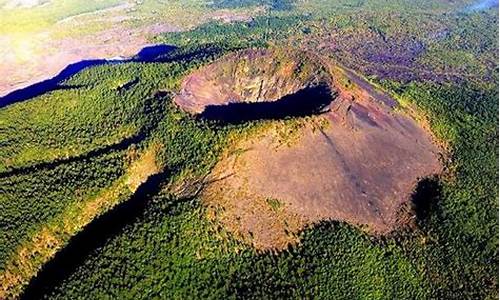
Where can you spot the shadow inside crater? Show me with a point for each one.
(308, 101)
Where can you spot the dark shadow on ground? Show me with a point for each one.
(93, 236)
(425, 197)
(305, 102)
(146, 54)
(121, 145)
(152, 53)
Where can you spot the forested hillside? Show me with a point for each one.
(102, 180)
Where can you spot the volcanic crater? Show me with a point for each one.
(357, 160)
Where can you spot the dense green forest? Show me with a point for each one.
(273, 4)
(171, 250)
(62, 150)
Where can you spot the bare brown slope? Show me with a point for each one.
(249, 76)
(359, 166)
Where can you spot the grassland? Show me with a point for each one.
(65, 152)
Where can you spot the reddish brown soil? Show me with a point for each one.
(358, 166)
(57, 54)
(248, 76)
(102, 34)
